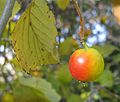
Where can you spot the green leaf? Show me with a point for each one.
(17, 66)
(106, 79)
(63, 74)
(34, 37)
(2, 4)
(68, 46)
(26, 94)
(15, 9)
(62, 4)
(106, 49)
(43, 86)
(54, 81)
(116, 59)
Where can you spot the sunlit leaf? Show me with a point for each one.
(41, 85)
(34, 36)
(62, 4)
(16, 8)
(16, 64)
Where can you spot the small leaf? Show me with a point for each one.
(15, 9)
(68, 46)
(34, 37)
(106, 49)
(41, 85)
(106, 79)
(62, 4)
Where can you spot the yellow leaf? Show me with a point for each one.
(34, 35)
(116, 9)
(62, 4)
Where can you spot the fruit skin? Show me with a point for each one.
(86, 65)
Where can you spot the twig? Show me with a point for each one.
(81, 33)
(6, 15)
(93, 92)
(5, 40)
(112, 94)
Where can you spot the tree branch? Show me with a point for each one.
(81, 33)
(6, 15)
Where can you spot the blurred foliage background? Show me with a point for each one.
(53, 83)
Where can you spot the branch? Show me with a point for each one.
(6, 15)
(93, 92)
(81, 33)
(112, 94)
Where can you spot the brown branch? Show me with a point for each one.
(81, 32)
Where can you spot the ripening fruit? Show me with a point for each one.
(86, 65)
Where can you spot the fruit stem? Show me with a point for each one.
(85, 45)
(81, 32)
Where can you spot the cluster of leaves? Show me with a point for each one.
(34, 42)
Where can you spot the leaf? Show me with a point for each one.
(62, 4)
(66, 47)
(116, 59)
(106, 79)
(54, 81)
(15, 9)
(34, 37)
(17, 66)
(106, 49)
(116, 9)
(41, 85)
(63, 74)
(2, 4)
(27, 94)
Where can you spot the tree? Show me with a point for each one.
(37, 38)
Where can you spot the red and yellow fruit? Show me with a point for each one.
(86, 64)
